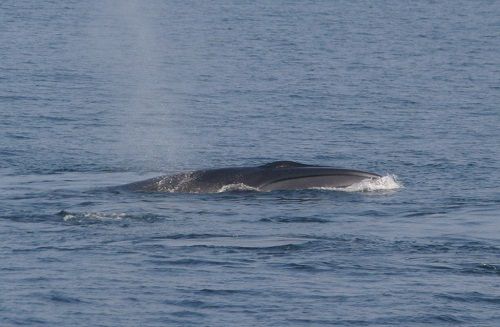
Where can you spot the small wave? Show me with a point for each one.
(384, 183)
(240, 242)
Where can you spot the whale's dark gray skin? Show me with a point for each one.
(279, 175)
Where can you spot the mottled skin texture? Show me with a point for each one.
(280, 175)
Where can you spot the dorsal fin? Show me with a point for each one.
(284, 164)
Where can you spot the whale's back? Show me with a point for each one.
(278, 175)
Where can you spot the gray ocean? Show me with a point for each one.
(96, 94)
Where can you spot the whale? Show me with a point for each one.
(274, 176)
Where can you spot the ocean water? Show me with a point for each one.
(95, 94)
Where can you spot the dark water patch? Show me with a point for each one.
(168, 320)
(355, 244)
(303, 267)
(58, 297)
(284, 219)
(375, 213)
(188, 314)
(18, 137)
(328, 322)
(477, 246)
(420, 319)
(28, 321)
(40, 249)
(471, 297)
(442, 318)
(446, 245)
(51, 260)
(188, 262)
(38, 280)
(226, 292)
(87, 203)
(10, 98)
(480, 269)
(187, 236)
(57, 119)
(62, 298)
(342, 244)
(10, 153)
(416, 247)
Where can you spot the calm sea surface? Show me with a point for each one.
(96, 94)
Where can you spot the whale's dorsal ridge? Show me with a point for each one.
(284, 164)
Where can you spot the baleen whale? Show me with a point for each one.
(279, 175)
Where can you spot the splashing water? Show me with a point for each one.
(88, 216)
(384, 183)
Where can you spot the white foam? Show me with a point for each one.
(384, 183)
(236, 187)
(94, 216)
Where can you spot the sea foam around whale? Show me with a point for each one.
(384, 183)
